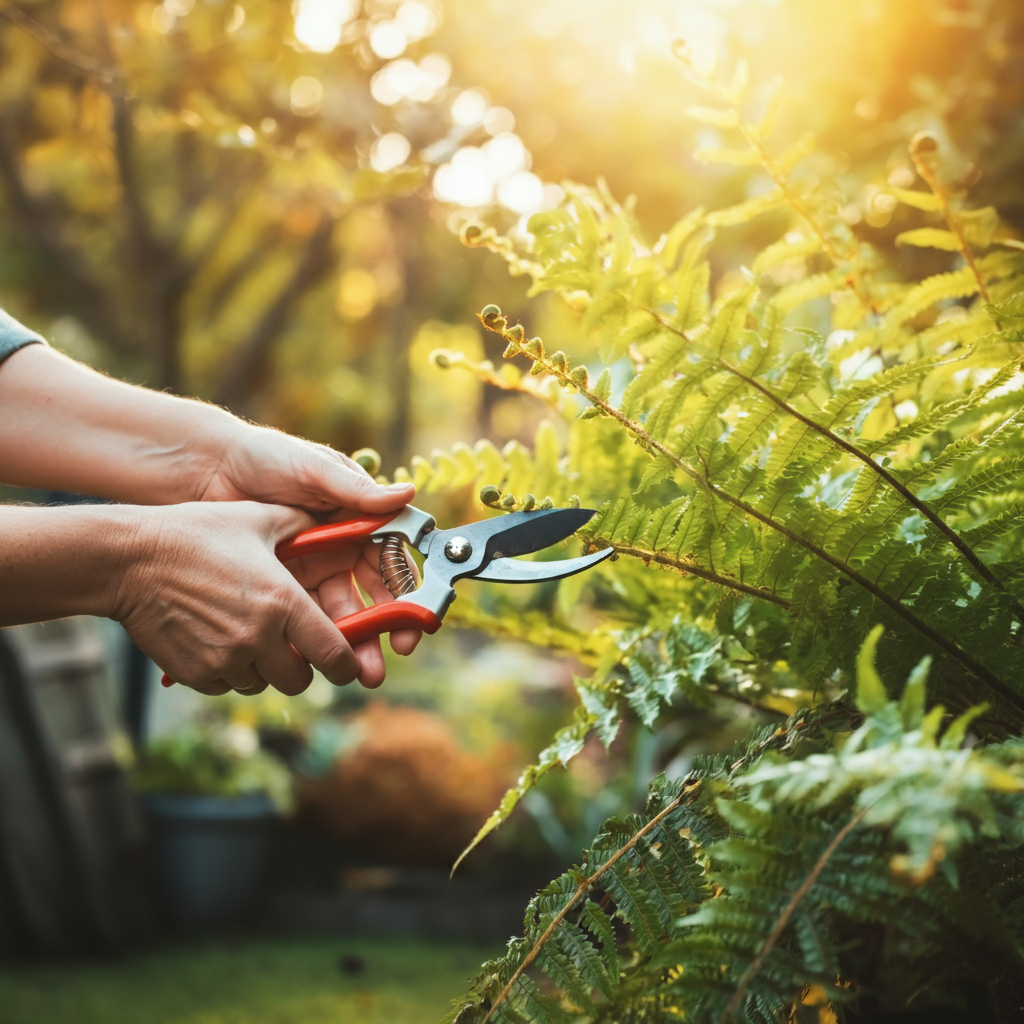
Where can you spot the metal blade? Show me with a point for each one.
(508, 570)
(522, 533)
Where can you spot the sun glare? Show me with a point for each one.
(319, 23)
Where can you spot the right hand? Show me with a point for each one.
(206, 598)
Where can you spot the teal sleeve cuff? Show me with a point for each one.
(14, 335)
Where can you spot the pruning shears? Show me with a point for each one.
(484, 550)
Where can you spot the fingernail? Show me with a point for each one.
(396, 487)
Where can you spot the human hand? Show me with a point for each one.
(206, 598)
(266, 465)
(261, 464)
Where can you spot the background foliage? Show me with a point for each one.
(787, 373)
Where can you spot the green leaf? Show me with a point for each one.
(871, 694)
(912, 703)
(954, 736)
(731, 216)
(921, 200)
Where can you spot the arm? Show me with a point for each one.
(66, 427)
(245, 624)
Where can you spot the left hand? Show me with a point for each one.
(266, 465)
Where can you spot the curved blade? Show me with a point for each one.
(522, 533)
(507, 570)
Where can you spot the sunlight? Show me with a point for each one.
(403, 79)
(319, 23)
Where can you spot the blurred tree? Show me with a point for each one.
(178, 178)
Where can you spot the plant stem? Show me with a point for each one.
(911, 499)
(688, 568)
(780, 925)
(584, 887)
(925, 169)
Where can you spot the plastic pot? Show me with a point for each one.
(210, 856)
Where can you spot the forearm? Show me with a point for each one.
(66, 427)
(63, 561)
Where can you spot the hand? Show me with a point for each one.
(261, 464)
(207, 599)
(330, 580)
(267, 465)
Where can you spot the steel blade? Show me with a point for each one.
(522, 533)
(508, 570)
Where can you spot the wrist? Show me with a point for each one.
(129, 551)
(215, 436)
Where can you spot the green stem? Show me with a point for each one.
(582, 889)
(966, 551)
(688, 568)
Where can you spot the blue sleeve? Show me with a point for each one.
(14, 336)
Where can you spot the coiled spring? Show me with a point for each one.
(394, 566)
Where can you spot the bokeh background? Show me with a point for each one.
(260, 205)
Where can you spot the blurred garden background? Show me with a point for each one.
(264, 205)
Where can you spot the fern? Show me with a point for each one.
(786, 464)
(730, 918)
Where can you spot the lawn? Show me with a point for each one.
(252, 982)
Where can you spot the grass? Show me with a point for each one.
(254, 982)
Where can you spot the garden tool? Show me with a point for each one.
(484, 550)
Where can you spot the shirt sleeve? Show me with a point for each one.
(14, 335)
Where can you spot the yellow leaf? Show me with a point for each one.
(920, 200)
(929, 238)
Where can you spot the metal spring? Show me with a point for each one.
(394, 566)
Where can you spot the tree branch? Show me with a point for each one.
(245, 361)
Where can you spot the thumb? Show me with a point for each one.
(355, 489)
(283, 521)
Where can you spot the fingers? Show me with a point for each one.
(403, 641)
(284, 668)
(246, 680)
(214, 688)
(371, 663)
(318, 640)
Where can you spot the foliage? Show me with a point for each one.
(213, 762)
(815, 448)
(760, 876)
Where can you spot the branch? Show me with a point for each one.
(780, 925)
(582, 889)
(911, 499)
(651, 444)
(246, 360)
(108, 75)
(688, 568)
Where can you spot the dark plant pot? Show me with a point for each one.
(210, 853)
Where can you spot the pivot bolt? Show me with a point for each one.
(458, 549)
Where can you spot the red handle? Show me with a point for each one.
(380, 618)
(386, 618)
(333, 535)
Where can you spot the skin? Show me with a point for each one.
(187, 562)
